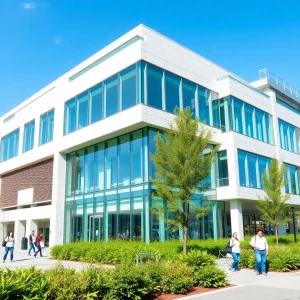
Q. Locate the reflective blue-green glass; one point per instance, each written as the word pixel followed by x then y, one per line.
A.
pixel 223 168
pixel 112 219
pixel 249 120
pixel 263 165
pixel 89 170
pixel 69 175
pixel 152 150
pixel 260 125
pixel 83 109
pixel 189 96
pixel 46 127
pixel 154 86
pixel 243 168
pixel 291 175
pixel 111 156
pixel 70 116
pixel 99 167
pixel 128 87
pixel 289 136
pixel 79 172
pixel 238 120
pixel 216 114
pixel 269 129
pixel 28 137
pixel 137 157
pixel 292 133
pixel 124 160
pixel 10 145
pixel 226 114
pixel 172 87
pixel 252 167
pixel 111 96
pixel 204 99
pixel 96 102
pixel 43 129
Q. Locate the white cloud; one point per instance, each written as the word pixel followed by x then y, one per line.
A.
pixel 29 5
pixel 57 40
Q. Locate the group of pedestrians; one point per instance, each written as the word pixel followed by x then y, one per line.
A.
pixel 35 244
pixel 260 247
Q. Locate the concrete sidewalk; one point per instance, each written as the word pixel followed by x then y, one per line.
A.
pixel 249 286
pixel 21 259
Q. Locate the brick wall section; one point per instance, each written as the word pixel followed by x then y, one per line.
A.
pixel 38 177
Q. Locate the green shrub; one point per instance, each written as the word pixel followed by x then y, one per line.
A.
pixel 127 282
pixel 177 278
pixel 198 259
pixel 210 276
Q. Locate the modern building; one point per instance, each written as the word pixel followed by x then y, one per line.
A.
pixel 76 156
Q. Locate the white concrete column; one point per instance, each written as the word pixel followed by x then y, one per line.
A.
pixel 236 216
pixel 31 225
pixel 58 200
pixel 20 232
pixel 2 231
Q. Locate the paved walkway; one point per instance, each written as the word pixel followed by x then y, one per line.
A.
pixel 249 286
pixel 21 259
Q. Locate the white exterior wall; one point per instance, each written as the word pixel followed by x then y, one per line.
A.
pixel 163 52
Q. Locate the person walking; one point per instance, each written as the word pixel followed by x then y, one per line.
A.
pixel 39 240
pixel 9 246
pixel 32 239
pixel 261 250
pixel 236 251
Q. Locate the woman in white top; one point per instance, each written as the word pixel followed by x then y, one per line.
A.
pixel 236 250
pixel 9 247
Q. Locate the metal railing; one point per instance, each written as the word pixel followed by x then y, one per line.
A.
pixel 265 73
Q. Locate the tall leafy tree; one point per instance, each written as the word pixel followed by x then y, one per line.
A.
pixel 273 206
pixel 183 161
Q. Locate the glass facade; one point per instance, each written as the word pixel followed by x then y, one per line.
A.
pixel 252 168
pixel 28 136
pixel 244 118
pixel 46 127
pixel 289 136
pixel 10 145
pixel 292 177
pixel 139 83
pixel 108 192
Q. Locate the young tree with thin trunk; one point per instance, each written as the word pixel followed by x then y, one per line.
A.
pixel 273 207
pixel 183 162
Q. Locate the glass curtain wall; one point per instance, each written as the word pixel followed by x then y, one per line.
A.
pixel 108 192
pixel 289 136
pixel 139 83
pixel 246 119
pixel 252 168
pixel 10 145
pixel 28 137
pixel 223 178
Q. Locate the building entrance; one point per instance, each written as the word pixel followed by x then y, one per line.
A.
pixel 95 228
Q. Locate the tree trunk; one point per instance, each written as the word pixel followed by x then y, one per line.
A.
pixel 276 234
pixel 185 238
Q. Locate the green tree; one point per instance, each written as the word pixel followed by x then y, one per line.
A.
pixel 183 161
pixel 273 207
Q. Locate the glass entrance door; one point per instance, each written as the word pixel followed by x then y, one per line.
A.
pixel 95 228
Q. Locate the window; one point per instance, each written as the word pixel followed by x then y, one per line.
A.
pixel 70 116
pixel 291 175
pixel 46 127
pixel 172 86
pixel 238 116
pixel 204 96
pixel 96 96
pixel 289 136
pixel 128 87
pixel 252 168
pixel 124 160
pixel 28 139
pixel 111 96
pixel 154 86
pixel 82 110
pixel 111 164
pixel 10 145
pixel 223 168
pixel 188 95
pixel 260 125
pixel 250 121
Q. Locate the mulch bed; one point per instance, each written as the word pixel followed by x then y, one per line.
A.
pixel 195 291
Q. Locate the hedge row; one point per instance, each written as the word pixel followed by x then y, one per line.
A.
pixel 126 281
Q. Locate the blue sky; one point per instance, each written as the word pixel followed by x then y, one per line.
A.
pixel 42 39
